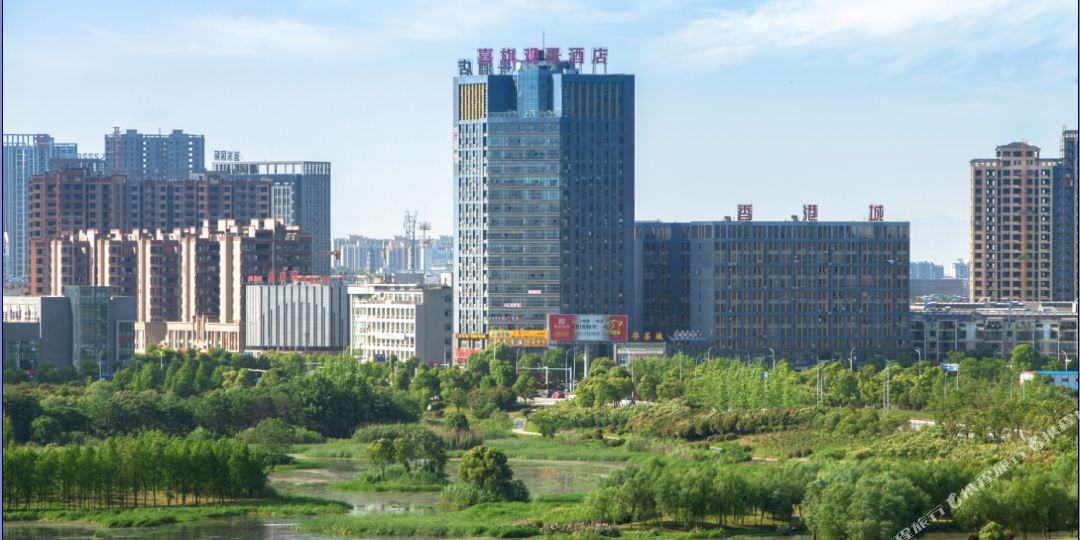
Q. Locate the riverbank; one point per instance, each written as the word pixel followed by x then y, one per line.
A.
pixel 276 507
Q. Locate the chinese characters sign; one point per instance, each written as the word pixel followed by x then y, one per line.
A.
pixel 226 155
pixel 593 328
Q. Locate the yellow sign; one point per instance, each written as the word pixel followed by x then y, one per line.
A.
pixel 470 336
pixel 521 338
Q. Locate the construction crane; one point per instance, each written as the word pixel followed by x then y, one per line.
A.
pixel 335 255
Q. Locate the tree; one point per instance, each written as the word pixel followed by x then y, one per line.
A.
pixel 861 502
pixel 992 531
pixel 486 468
pixel 381 453
pixel 1025 358
pixel 526 386
pixel 456 421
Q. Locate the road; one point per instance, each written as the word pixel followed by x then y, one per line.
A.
pixel 519 427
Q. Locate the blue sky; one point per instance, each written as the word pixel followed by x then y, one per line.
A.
pixel 777 103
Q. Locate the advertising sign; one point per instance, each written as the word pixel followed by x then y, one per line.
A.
pixel 462 354
pixel 594 328
pixel 521 338
pixel 561 328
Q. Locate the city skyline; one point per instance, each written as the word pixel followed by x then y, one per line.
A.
pixel 713 113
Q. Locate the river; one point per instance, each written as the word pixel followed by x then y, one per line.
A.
pixel 542 478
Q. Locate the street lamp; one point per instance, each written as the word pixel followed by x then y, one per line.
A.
pixel 918 352
pixel 851 359
pixel 708 353
pixel 773 353
pixel 1062 353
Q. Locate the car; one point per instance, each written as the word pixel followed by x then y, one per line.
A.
pixel 557 395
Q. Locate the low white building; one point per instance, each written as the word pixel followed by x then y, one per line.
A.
pixel 401 320
pixel 307 313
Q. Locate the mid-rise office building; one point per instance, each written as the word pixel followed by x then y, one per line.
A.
pixel 543 191
pixel 85 326
pixel 401 320
pixel 304 313
pixel 926 270
pixel 147 156
pixel 803 291
pixel 993 329
pixel 1023 223
pixel 24 156
pixel 299 195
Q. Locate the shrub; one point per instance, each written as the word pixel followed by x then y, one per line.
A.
pixel 485 410
pixel 460 439
pixel 373 432
pixel 456 421
pixel 460 496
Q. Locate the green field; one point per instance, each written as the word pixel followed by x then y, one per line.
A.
pixel 284 506
pixel 499 520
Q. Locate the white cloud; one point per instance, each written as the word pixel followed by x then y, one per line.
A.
pixel 241 36
pixel 876 30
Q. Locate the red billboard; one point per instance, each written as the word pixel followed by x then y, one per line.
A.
pixel 462 354
pixel 591 328
pixel 561 328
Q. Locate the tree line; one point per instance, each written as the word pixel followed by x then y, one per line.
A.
pixel 149 469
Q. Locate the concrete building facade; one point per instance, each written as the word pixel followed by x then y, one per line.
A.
pixel 299 195
pixel 1023 225
pixel 803 291
pixel 76 199
pixel 543 194
pixel 401 320
pixel 302 314
pixel 188 282
pixel 993 329
pixel 24 156
pixel 147 156
pixel 85 326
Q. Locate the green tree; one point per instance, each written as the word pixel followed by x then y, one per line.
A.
pixel 526 386
pixel 456 421
pixel 861 502
pixel 381 453
pixel 1025 358
pixel 486 468
pixel 992 531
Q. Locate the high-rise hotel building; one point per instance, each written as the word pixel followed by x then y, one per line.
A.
pixel 1023 224
pixel 543 191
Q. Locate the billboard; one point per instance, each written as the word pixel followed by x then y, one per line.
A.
pixel 521 338
pixel 591 328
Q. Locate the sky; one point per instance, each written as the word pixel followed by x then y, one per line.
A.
pixel 775 103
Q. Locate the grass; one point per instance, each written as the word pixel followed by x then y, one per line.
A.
pixel 332 448
pixel 281 506
pixel 786 444
pixel 297 465
pixel 397 481
pixel 541 448
pixel 498 520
